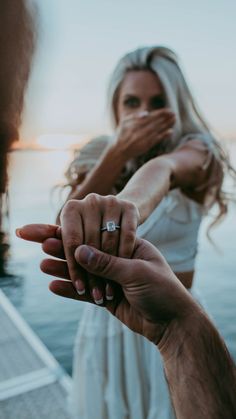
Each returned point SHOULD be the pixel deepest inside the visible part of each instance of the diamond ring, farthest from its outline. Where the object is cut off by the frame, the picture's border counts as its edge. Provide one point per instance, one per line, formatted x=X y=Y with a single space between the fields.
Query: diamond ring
x=110 y=226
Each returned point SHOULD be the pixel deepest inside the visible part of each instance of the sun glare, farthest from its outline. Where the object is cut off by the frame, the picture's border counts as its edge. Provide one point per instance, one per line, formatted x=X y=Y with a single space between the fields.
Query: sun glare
x=60 y=141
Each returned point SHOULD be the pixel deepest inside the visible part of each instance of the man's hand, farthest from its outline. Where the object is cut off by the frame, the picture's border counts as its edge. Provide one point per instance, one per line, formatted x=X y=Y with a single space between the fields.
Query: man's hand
x=151 y=301
x=149 y=297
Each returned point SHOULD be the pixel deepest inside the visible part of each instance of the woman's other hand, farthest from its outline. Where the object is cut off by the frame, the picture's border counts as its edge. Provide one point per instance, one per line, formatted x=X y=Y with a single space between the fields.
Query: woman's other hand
x=138 y=133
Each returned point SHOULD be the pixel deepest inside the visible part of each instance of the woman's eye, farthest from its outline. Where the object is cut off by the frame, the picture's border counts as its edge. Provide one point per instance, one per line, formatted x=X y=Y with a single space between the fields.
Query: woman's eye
x=157 y=102
x=131 y=102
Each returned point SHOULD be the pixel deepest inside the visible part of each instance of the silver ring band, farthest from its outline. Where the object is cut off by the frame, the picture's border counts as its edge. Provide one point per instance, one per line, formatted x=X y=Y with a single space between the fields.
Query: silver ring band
x=110 y=226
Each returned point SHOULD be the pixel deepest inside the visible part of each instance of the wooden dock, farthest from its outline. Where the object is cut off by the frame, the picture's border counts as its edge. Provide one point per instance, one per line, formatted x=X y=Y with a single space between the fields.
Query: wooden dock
x=32 y=383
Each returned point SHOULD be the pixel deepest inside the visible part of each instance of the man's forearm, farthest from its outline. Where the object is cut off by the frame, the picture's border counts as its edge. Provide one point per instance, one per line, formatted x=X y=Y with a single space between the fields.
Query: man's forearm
x=199 y=370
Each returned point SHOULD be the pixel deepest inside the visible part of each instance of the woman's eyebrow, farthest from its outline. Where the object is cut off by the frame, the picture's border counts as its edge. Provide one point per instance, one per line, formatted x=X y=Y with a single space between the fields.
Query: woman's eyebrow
x=158 y=96
x=130 y=95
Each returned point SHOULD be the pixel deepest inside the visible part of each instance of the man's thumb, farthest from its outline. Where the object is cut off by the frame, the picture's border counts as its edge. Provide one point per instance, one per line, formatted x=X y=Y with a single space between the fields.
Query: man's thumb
x=104 y=265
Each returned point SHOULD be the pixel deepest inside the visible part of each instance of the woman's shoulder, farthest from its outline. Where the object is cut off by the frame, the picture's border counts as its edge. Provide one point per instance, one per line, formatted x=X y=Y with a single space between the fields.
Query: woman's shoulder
x=93 y=148
x=197 y=138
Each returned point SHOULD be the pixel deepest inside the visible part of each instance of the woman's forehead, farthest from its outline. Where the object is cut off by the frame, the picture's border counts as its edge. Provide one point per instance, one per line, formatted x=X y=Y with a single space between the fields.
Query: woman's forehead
x=140 y=81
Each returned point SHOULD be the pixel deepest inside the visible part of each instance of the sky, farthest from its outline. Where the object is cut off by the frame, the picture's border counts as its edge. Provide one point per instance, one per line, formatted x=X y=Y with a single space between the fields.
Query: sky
x=80 y=42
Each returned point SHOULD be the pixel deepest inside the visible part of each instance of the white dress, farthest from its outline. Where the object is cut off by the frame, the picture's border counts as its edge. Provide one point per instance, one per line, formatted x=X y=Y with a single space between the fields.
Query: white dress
x=118 y=374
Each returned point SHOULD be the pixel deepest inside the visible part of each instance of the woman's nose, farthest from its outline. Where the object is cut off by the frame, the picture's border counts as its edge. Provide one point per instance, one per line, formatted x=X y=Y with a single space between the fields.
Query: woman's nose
x=145 y=107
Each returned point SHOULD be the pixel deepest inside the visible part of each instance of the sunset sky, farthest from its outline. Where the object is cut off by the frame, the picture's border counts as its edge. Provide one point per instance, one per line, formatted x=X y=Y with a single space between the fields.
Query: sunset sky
x=81 y=40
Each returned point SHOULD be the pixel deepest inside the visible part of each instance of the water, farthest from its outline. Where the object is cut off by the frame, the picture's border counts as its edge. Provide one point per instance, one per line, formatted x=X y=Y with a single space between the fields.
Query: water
x=32 y=177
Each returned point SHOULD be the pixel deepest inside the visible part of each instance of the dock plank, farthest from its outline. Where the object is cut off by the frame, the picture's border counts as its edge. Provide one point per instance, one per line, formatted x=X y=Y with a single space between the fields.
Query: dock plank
x=32 y=383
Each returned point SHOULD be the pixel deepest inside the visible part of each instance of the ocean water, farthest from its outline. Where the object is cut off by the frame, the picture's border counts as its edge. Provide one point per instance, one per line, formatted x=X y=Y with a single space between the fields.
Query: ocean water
x=33 y=174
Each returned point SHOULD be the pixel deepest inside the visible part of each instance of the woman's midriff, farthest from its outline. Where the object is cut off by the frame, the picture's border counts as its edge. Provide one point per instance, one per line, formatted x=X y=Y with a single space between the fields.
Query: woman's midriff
x=186 y=278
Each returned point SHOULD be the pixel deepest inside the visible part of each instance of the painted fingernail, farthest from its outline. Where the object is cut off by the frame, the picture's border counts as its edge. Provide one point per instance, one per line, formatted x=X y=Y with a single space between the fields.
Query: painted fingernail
x=109 y=292
x=79 y=285
x=97 y=296
x=143 y=114
x=18 y=233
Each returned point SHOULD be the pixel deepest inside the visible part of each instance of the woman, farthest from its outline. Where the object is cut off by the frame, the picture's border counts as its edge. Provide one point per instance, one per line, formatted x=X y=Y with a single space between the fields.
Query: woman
x=166 y=169
x=165 y=161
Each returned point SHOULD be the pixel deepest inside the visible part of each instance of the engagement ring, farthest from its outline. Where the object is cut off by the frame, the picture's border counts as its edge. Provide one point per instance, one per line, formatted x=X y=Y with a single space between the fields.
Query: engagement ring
x=110 y=226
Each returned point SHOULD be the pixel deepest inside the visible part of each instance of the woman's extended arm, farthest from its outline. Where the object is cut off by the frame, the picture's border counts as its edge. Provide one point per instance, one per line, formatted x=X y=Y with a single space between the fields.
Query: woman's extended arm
x=101 y=178
x=184 y=168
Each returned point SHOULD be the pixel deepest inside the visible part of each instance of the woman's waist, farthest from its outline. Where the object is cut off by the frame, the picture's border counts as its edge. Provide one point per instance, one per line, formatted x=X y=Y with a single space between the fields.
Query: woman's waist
x=179 y=254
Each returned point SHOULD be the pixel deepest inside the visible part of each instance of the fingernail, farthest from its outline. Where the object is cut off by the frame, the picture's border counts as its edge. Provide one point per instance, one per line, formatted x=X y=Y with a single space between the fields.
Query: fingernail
x=85 y=255
x=109 y=292
x=97 y=295
x=143 y=114
x=18 y=233
x=79 y=285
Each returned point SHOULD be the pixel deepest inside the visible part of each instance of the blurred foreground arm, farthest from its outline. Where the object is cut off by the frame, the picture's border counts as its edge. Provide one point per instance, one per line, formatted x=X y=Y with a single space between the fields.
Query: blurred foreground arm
x=200 y=373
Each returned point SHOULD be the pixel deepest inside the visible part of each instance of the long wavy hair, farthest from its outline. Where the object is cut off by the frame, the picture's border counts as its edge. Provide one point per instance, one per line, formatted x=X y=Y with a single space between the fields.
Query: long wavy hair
x=190 y=124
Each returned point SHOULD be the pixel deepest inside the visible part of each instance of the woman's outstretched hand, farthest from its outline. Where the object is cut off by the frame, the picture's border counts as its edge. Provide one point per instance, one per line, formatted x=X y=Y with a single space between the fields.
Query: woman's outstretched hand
x=88 y=221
